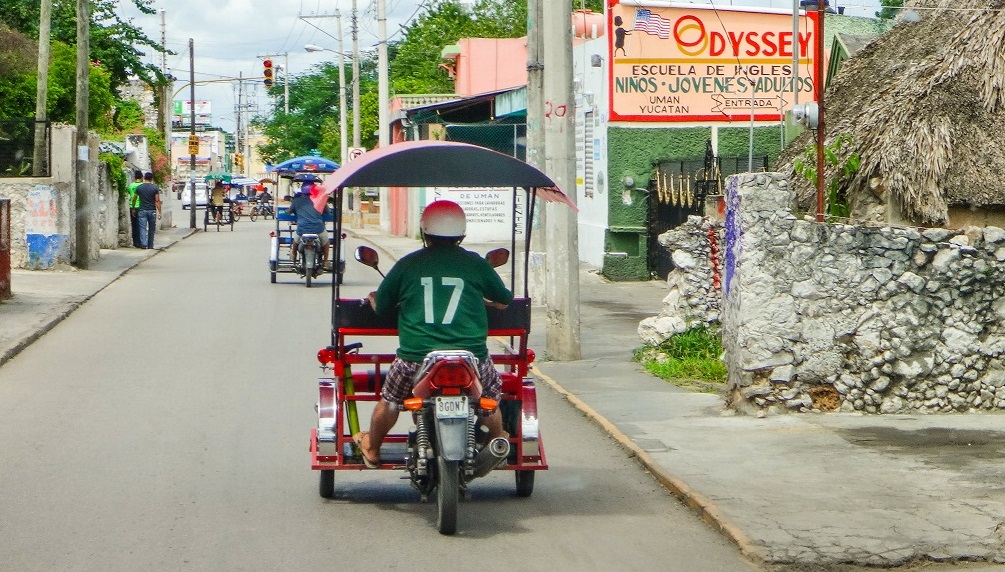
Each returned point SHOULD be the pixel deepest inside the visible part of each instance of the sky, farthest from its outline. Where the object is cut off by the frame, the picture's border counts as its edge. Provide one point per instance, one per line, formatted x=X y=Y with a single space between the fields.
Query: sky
x=231 y=37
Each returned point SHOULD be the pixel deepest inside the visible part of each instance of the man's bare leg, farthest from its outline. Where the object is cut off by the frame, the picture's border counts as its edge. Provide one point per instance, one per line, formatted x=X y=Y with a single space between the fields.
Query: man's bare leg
x=381 y=422
x=494 y=424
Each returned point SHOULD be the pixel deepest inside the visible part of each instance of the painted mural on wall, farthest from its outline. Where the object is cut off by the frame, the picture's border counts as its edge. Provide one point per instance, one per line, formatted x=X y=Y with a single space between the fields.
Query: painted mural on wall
x=46 y=245
x=696 y=63
x=733 y=232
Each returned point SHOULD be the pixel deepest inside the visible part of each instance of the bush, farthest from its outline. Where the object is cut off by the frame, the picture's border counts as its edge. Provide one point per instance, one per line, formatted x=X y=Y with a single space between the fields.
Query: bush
x=690 y=359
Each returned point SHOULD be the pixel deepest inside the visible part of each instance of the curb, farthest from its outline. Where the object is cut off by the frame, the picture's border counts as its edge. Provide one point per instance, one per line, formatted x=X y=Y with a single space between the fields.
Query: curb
x=706 y=509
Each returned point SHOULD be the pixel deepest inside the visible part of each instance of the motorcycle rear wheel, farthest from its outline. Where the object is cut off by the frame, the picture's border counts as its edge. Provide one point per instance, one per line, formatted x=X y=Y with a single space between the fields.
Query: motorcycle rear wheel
x=447 y=495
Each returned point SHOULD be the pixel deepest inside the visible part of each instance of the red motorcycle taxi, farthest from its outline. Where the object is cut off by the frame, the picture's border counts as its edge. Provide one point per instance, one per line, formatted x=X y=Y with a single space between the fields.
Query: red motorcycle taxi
x=442 y=452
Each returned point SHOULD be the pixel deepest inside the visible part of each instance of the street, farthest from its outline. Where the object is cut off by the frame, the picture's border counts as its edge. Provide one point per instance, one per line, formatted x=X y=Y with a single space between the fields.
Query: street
x=164 y=426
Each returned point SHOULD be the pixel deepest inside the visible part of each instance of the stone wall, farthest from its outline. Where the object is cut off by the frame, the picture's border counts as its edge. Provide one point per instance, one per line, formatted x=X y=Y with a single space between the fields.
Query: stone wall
x=819 y=317
x=694 y=297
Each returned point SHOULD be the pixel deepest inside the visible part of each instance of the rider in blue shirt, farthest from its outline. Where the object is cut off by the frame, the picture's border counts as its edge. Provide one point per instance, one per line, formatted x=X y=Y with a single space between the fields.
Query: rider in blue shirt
x=308 y=220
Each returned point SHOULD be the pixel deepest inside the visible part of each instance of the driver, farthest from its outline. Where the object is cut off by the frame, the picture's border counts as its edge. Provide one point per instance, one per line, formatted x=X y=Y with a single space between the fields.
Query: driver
x=308 y=221
x=440 y=292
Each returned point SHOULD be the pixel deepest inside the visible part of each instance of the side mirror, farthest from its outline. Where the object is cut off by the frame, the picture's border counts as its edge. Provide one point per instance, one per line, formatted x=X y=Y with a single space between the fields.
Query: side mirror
x=497 y=257
x=367 y=256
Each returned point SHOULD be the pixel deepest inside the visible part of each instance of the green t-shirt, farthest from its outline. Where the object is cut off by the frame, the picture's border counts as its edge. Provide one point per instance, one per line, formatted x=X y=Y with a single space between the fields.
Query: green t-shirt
x=134 y=201
x=439 y=293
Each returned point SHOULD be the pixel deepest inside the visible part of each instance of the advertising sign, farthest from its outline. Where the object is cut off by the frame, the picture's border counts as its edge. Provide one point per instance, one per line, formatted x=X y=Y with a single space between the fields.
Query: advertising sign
x=489 y=212
x=682 y=62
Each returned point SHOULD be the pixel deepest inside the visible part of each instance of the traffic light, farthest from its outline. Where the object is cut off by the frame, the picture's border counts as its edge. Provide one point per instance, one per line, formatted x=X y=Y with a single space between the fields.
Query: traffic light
x=267 y=72
x=239 y=160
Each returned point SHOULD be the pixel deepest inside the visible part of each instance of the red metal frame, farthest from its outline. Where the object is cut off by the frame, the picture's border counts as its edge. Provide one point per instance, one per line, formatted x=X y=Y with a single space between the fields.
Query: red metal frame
x=515 y=363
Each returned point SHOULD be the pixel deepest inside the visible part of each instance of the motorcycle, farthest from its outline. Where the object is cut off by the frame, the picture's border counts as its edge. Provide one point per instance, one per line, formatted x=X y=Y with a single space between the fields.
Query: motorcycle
x=444 y=451
x=309 y=250
x=262 y=209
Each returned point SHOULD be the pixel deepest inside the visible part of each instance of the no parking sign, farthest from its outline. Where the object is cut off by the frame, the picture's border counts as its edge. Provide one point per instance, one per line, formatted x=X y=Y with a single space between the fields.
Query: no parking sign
x=355 y=152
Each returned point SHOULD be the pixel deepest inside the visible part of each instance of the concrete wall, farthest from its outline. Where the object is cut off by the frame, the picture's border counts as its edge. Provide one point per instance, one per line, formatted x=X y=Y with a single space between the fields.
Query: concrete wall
x=44 y=210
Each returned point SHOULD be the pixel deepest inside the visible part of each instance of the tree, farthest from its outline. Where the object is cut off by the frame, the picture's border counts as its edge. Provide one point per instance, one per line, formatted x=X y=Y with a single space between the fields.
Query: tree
x=414 y=68
x=890 y=9
x=115 y=43
x=18 y=73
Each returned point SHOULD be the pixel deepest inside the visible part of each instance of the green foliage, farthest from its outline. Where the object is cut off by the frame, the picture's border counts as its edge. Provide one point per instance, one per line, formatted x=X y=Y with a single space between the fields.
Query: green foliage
x=836 y=189
x=689 y=359
x=116 y=172
x=890 y=9
x=161 y=165
x=128 y=117
x=414 y=62
x=115 y=43
x=62 y=102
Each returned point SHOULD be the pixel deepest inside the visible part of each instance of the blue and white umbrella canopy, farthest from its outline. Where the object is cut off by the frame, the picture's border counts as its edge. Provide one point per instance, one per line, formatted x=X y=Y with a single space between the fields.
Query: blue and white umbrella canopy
x=308 y=164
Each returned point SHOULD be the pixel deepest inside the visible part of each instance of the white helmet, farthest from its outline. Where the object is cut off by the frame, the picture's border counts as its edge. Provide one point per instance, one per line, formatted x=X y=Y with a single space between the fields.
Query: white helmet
x=443 y=218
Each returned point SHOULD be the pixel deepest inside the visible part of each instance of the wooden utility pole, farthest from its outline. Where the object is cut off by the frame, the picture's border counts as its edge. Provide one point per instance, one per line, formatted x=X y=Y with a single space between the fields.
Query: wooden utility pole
x=41 y=91
x=82 y=247
x=561 y=232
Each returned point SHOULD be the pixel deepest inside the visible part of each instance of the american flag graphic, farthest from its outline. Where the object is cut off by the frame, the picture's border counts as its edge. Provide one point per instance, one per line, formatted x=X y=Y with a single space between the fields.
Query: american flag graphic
x=650 y=23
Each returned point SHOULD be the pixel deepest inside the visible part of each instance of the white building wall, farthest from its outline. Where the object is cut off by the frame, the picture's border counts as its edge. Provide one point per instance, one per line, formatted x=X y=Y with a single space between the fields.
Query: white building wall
x=589 y=78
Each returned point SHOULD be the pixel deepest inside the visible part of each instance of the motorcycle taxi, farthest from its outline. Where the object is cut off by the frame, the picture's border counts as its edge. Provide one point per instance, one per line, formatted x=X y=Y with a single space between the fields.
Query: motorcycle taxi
x=308 y=264
x=441 y=453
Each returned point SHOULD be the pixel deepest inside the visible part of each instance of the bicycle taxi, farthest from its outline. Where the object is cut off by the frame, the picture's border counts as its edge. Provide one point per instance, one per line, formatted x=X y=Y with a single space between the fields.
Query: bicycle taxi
x=357 y=375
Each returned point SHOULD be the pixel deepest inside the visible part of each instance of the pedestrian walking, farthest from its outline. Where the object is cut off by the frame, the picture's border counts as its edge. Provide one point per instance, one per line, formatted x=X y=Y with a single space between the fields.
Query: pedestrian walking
x=149 y=209
x=134 y=222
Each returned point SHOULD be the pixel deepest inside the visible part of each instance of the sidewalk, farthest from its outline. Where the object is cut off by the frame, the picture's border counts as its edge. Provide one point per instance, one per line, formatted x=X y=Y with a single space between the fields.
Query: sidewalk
x=813 y=489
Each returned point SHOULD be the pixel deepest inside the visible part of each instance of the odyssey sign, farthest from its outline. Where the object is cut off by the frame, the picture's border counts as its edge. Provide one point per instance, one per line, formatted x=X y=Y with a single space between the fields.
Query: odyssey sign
x=699 y=64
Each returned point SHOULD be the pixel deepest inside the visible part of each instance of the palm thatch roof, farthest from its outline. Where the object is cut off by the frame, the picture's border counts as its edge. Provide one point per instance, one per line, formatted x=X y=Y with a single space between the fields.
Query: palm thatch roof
x=925 y=106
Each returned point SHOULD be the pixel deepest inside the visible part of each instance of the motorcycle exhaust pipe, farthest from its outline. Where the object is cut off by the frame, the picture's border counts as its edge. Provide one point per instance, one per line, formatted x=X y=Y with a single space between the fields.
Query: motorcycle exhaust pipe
x=489 y=457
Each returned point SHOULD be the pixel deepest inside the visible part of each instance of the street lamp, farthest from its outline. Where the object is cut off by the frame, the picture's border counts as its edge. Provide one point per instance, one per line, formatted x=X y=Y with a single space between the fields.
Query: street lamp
x=341 y=94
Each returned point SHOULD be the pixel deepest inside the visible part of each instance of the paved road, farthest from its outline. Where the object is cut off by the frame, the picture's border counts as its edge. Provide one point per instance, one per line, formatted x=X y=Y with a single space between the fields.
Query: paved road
x=164 y=426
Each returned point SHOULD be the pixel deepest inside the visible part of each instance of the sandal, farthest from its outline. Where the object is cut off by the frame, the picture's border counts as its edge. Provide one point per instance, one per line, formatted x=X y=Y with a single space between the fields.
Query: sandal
x=358 y=440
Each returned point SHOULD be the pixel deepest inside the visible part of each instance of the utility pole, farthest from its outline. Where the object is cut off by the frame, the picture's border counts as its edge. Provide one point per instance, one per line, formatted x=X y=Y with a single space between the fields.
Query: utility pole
x=286 y=82
x=819 y=67
x=241 y=134
x=191 y=127
x=83 y=227
x=356 y=215
x=561 y=232
x=343 y=132
x=535 y=141
x=167 y=220
x=41 y=91
x=382 y=98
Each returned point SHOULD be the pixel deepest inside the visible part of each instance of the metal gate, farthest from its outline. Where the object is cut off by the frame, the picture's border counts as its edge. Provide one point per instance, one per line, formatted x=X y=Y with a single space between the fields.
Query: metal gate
x=678 y=190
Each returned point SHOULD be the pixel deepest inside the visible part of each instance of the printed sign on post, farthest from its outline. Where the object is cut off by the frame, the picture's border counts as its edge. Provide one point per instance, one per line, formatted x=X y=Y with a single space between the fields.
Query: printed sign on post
x=489 y=212
x=698 y=64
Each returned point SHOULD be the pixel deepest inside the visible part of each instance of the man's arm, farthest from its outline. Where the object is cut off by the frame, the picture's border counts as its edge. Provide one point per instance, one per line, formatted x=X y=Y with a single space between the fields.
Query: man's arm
x=157 y=202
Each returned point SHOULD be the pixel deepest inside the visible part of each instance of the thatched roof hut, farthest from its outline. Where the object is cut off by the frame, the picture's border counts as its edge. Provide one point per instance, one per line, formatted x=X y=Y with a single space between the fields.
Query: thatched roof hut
x=925 y=106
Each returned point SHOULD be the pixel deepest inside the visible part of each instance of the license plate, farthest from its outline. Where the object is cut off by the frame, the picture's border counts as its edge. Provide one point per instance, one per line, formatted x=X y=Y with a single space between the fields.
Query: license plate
x=451 y=407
